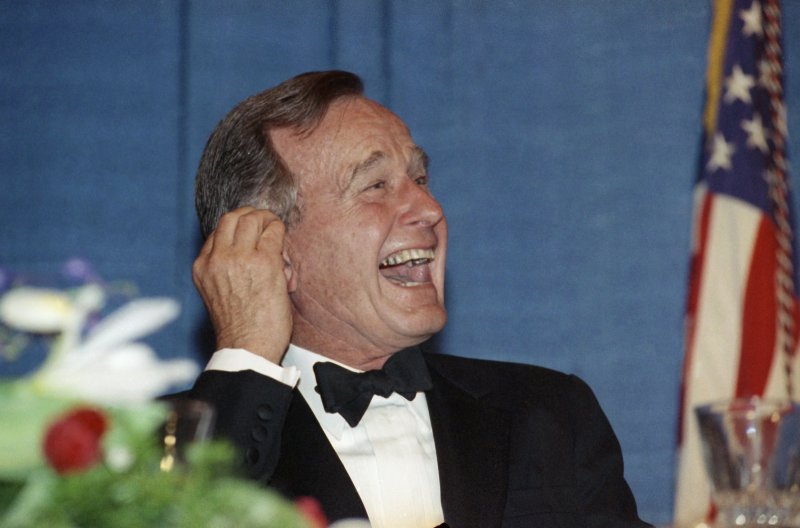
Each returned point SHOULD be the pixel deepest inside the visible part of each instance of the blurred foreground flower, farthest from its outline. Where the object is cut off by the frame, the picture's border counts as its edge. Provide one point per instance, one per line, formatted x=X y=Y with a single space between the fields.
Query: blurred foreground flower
x=79 y=444
x=106 y=365
x=73 y=442
x=90 y=358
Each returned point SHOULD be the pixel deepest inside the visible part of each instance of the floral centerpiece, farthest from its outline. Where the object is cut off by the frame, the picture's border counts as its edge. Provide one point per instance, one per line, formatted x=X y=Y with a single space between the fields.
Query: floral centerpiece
x=79 y=444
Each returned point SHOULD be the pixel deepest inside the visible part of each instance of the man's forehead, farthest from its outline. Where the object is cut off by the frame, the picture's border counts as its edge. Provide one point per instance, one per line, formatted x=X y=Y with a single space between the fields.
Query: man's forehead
x=351 y=125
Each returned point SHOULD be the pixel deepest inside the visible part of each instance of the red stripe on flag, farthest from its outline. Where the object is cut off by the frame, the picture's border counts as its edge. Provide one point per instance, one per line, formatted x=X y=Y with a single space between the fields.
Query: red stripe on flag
x=759 y=315
x=693 y=299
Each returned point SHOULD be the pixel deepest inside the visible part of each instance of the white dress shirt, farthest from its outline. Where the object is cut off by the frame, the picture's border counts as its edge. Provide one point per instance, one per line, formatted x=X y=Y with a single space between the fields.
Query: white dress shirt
x=390 y=455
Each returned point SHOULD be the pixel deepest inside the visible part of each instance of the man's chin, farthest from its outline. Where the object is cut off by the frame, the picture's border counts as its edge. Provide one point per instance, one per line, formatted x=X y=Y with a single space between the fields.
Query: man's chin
x=421 y=325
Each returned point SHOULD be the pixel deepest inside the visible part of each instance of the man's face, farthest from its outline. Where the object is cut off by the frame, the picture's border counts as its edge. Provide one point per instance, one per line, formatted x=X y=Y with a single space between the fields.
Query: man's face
x=368 y=252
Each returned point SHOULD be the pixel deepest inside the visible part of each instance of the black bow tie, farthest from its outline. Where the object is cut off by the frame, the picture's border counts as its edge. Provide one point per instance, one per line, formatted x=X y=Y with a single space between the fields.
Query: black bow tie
x=349 y=393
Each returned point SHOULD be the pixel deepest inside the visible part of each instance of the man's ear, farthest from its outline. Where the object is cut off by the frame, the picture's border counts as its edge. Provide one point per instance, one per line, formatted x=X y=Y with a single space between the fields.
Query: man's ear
x=289 y=271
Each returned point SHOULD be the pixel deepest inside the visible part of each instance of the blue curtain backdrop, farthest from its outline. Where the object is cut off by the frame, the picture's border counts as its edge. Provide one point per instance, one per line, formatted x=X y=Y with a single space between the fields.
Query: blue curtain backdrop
x=563 y=136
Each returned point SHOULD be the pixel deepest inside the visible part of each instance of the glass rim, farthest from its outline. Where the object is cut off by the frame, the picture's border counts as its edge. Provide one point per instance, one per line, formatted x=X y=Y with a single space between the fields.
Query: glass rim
x=747 y=405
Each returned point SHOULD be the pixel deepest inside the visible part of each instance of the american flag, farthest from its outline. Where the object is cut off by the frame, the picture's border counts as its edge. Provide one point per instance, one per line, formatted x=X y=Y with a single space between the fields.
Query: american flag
x=742 y=315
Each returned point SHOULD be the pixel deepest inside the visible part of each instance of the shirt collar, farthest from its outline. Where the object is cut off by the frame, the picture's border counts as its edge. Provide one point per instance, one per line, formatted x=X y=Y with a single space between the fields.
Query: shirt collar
x=333 y=423
x=304 y=361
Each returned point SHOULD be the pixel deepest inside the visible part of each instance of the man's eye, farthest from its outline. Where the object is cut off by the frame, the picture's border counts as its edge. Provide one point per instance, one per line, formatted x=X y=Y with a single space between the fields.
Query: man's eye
x=376 y=185
x=421 y=180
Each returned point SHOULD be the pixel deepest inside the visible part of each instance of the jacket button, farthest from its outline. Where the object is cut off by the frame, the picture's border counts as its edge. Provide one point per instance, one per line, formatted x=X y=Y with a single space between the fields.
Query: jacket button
x=264 y=412
x=259 y=433
x=251 y=456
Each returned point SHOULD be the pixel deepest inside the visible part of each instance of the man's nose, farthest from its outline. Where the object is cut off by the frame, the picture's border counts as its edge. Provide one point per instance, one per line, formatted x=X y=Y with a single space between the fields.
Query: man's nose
x=420 y=207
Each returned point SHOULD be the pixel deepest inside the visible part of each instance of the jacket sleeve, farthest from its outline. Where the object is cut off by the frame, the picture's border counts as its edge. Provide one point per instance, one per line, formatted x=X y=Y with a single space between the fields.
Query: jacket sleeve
x=606 y=497
x=250 y=411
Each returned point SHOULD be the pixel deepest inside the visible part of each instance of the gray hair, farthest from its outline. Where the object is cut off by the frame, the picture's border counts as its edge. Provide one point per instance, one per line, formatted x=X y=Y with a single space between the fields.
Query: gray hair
x=240 y=166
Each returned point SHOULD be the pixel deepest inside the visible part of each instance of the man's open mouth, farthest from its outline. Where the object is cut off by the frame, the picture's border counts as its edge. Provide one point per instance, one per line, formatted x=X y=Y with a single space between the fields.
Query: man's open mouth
x=408 y=267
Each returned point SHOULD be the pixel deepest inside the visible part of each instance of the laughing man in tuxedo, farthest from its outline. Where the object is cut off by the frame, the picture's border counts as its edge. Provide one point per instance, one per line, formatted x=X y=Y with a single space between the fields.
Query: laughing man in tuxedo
x=325 y=257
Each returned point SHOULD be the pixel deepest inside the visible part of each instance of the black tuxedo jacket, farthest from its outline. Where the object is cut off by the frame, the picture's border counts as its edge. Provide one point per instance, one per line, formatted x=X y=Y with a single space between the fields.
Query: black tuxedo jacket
x=517 y=445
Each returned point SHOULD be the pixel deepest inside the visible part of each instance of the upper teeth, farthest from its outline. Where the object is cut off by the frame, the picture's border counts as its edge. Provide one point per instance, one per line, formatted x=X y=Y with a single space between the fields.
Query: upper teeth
x=407 y=255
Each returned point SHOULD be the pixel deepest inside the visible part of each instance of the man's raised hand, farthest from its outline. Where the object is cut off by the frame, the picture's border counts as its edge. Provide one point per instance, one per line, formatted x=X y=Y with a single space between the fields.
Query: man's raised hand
x=242 y=277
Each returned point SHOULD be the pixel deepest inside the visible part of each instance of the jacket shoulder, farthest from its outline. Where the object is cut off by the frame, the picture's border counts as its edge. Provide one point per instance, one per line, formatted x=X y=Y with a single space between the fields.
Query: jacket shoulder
x=499 y=381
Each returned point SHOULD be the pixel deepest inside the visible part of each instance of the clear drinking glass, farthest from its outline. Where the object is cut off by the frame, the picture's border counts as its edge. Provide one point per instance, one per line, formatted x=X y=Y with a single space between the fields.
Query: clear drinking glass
x=752 y=456
x=187 y=421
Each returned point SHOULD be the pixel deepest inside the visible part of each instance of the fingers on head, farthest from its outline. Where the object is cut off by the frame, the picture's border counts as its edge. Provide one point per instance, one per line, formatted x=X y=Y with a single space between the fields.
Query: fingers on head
x=271 y=236
x=243 y=227
x=227 y=227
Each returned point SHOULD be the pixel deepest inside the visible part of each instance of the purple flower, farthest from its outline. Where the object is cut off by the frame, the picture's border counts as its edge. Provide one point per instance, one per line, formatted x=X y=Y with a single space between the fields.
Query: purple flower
x=80 y=270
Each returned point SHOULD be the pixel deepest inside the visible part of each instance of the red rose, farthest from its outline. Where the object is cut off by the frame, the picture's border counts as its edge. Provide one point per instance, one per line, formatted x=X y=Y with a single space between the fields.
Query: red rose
x=72 y=443
x=311 y=510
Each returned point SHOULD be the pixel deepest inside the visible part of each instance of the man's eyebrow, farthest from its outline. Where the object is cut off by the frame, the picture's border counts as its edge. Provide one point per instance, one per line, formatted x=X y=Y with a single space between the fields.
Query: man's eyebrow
x=419 y=160
x=373 y=159
x=363 y=166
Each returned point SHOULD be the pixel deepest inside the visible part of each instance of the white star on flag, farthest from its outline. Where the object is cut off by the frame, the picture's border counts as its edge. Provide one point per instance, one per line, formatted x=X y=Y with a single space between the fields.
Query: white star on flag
x=756 y=137
x=738 y=86
x=764 y=73
x=752 y=19
x=721 y=152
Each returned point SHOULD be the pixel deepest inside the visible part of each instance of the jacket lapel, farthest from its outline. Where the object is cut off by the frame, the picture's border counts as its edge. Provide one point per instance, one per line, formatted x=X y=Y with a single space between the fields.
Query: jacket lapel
x=472 y=452
x=308 y=465
x=471 y=449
